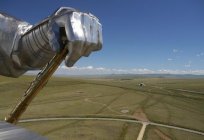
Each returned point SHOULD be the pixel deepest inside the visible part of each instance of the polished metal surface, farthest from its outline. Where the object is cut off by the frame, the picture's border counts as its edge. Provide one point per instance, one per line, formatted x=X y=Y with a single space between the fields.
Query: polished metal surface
x=11 y=30
x=12 y=132
x=25 y=47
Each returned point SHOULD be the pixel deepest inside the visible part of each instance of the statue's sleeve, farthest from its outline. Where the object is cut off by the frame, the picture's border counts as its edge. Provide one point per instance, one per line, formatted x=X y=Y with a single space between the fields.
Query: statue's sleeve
x=11 y=30
x=23 y=47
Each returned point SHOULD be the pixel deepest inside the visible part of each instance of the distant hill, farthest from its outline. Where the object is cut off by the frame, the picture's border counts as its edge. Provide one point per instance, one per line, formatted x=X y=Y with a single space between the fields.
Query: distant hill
x=127 y=76
x=133 y=76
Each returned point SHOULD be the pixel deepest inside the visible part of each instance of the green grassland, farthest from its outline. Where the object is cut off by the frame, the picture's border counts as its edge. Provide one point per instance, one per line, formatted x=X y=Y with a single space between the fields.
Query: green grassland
x=86 y=130
x=178 y=102
x=152 y=134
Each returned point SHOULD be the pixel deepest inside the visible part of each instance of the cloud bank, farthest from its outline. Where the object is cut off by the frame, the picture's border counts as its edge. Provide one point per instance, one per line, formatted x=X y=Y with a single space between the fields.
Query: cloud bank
x=90 y=70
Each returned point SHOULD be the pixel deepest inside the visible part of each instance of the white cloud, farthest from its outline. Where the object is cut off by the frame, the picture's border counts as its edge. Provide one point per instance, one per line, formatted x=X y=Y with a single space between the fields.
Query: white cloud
x=100 y=69
x=90 y=70
x=170 y=59
x=188 y=64
x=175 y=50
x=200 y=54
x=141 y=71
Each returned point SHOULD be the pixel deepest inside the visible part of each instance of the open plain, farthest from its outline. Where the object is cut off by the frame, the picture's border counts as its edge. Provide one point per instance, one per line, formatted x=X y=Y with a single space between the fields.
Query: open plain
x=111 y=108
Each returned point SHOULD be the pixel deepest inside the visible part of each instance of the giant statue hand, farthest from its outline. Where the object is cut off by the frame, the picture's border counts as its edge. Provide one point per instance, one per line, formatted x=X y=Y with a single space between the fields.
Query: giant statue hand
x=25 y=47
x=83 y=33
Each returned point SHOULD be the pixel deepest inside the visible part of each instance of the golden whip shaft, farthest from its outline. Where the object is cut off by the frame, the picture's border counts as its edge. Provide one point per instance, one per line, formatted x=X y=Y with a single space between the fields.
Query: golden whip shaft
x=36 y=85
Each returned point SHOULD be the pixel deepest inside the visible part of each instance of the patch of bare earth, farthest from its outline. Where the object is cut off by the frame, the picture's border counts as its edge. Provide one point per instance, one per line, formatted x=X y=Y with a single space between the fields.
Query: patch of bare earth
x=140 y=115
x=162 y=135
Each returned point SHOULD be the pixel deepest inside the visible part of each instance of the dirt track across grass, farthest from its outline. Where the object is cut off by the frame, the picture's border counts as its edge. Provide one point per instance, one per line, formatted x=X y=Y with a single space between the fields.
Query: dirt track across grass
x=112 y=119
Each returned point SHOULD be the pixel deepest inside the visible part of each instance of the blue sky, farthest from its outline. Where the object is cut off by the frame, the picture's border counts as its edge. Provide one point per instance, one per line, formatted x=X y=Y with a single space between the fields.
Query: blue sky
x=140 y=36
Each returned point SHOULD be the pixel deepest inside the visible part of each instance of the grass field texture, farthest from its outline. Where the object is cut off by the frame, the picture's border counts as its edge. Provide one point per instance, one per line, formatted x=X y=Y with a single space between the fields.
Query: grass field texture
x=171 y=101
